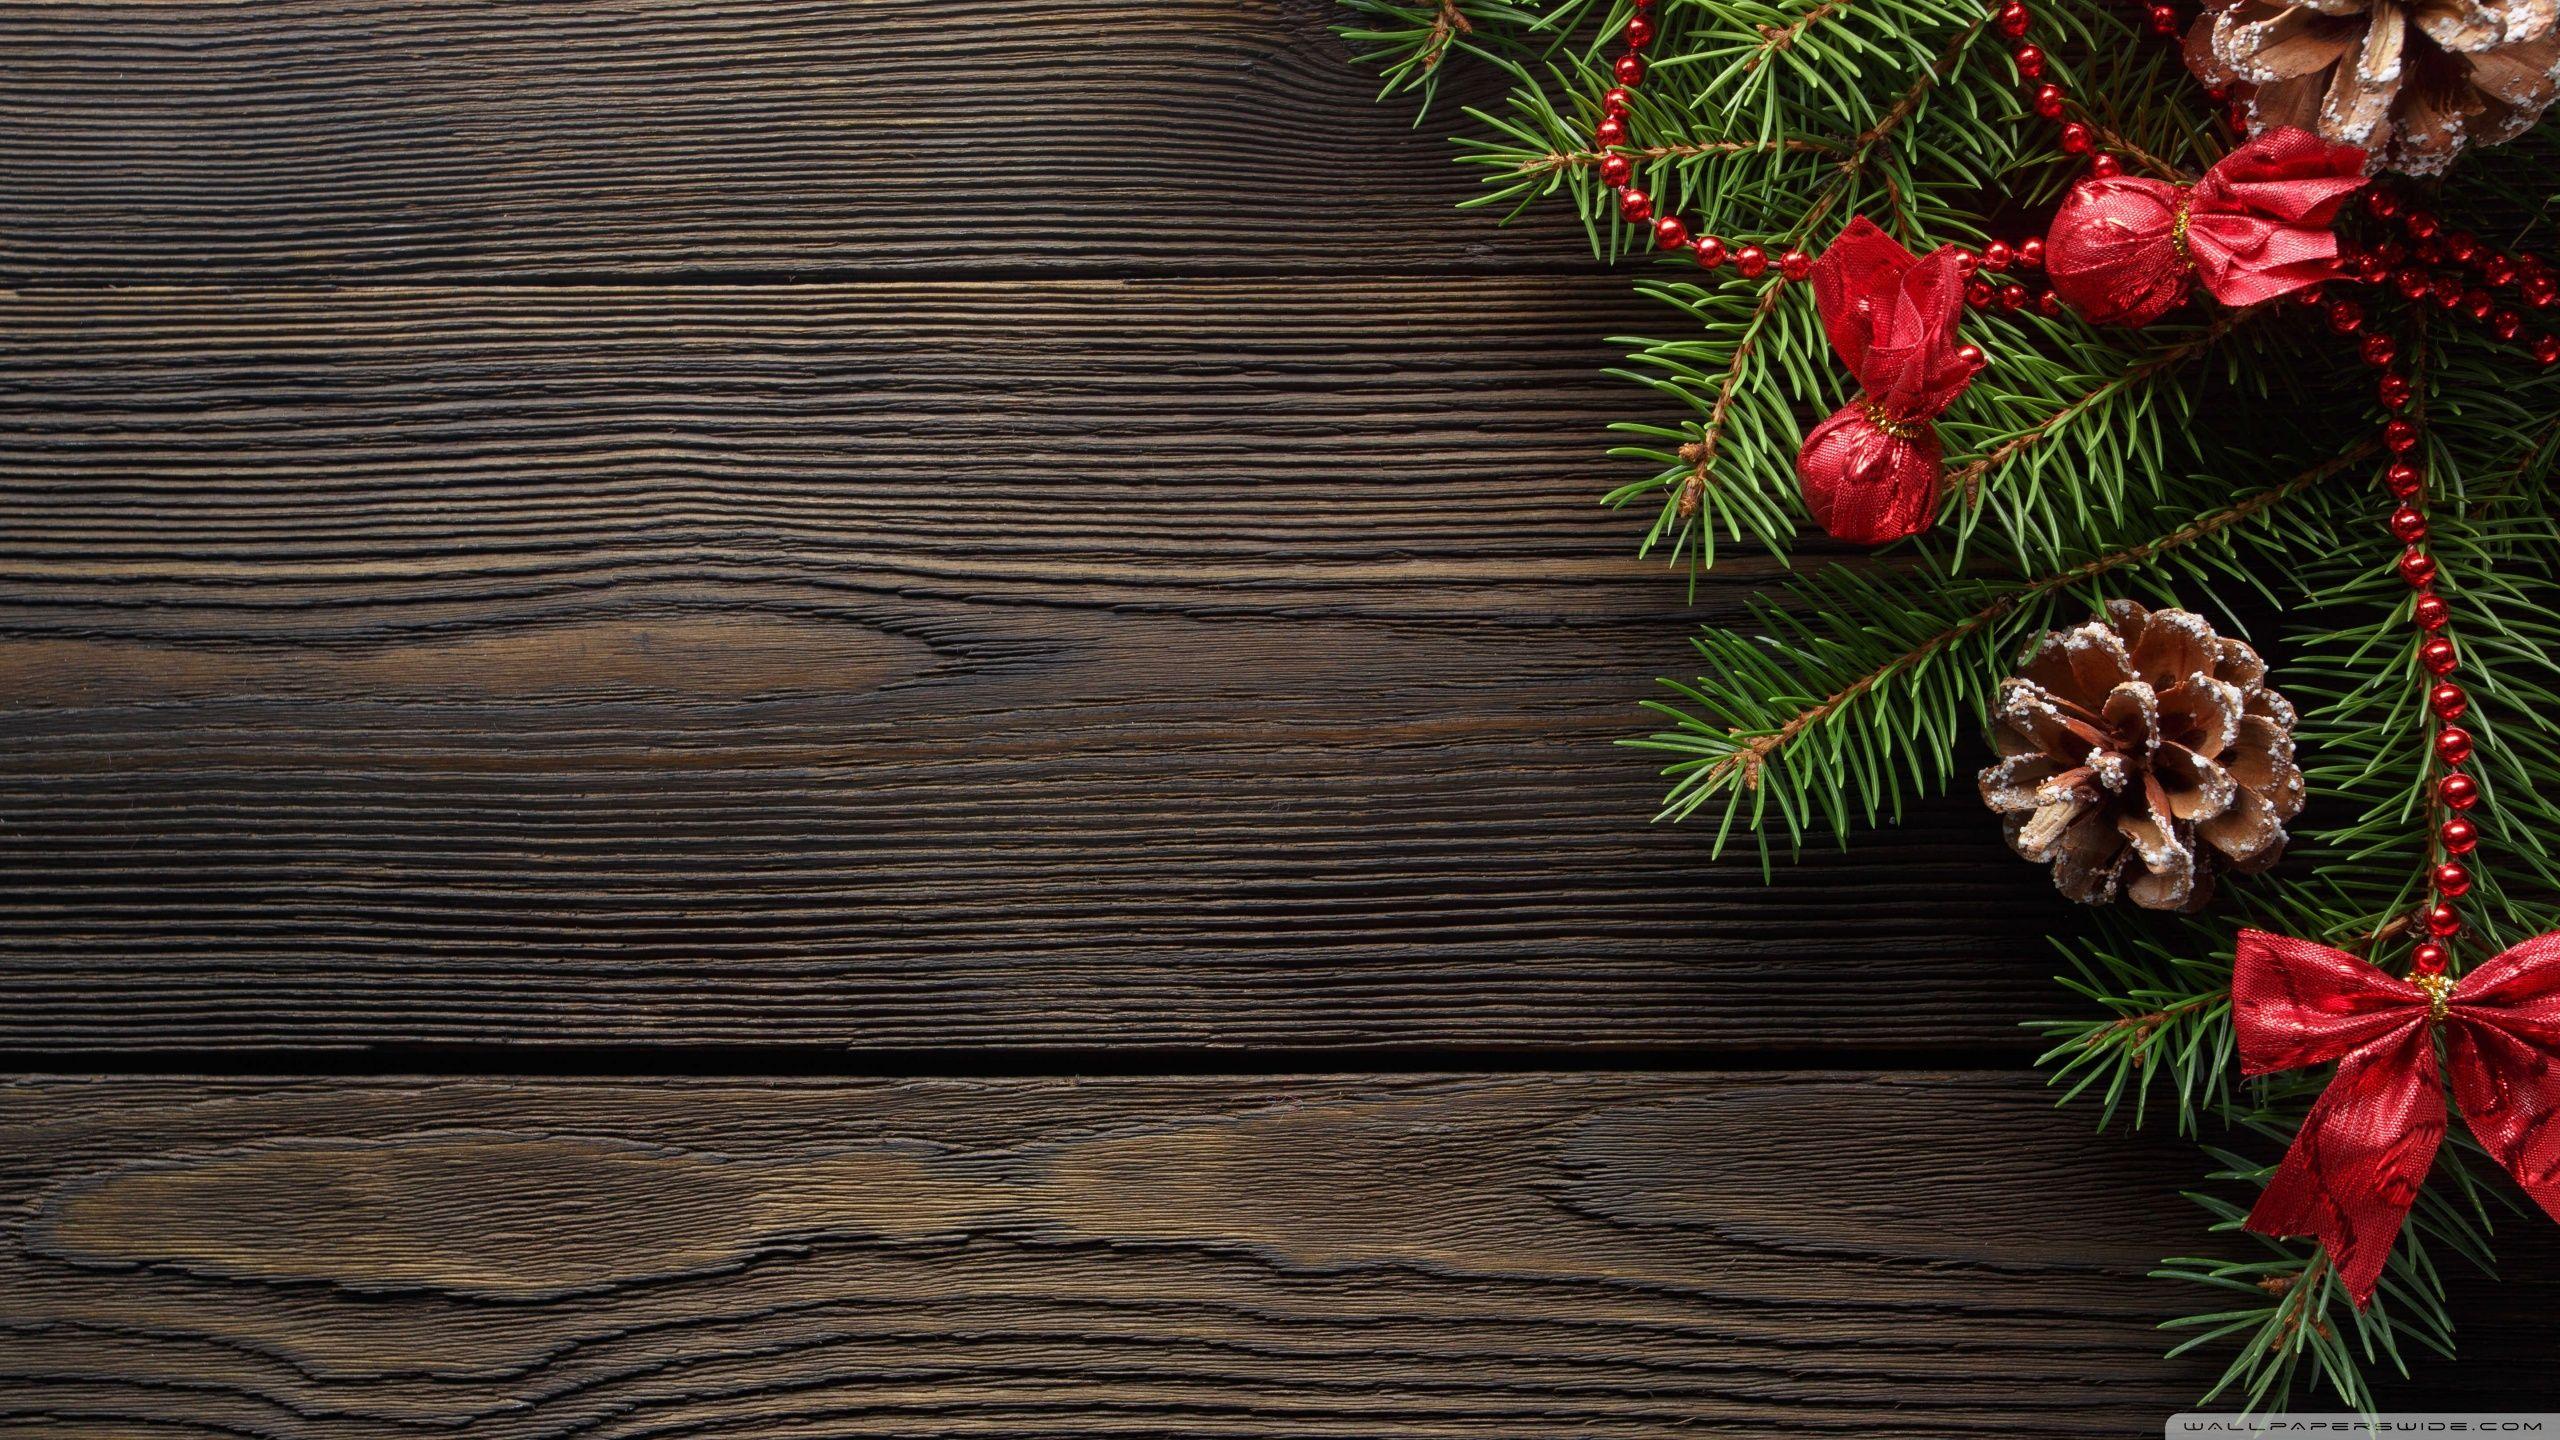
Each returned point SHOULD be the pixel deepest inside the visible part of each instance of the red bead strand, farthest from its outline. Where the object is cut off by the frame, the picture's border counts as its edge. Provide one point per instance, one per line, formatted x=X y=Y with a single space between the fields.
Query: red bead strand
x=2439 y=659
x=1670 y=232
x=2046 y=97
x=2005 y=276
x=2002 y=276
x=2458 y=273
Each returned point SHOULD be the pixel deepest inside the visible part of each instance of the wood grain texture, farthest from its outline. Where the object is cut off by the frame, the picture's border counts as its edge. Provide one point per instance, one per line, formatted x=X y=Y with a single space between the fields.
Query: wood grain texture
x=575 y=631
x=331 y=139
x=1077 y=664
x=1538 y=1255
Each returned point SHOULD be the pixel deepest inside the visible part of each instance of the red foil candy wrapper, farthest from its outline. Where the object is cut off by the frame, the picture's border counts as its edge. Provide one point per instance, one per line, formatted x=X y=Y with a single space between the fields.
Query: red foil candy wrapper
x=2125 y=249
x=1871 y=472
x=2364 y=1150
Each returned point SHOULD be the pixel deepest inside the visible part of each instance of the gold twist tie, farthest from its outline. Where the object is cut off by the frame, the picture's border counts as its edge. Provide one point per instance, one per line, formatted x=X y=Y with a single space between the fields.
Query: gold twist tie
x=2438 y=989
x=1893 y=429
x=2178 y=228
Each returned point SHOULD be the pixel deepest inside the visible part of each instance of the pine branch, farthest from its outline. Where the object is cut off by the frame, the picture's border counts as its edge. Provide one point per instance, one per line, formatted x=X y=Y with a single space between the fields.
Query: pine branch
x=1700 y=454
x=1588 y=159
x=1777 y=38
x=2166 y=1005
x=2297 y=1329
x=2090 y=461
x=2089 y=425
x=2077 y=430
x=1409 y=43
x=1448 y=22
x=1685 y=497
x=1966 y=479
x=1868 y=648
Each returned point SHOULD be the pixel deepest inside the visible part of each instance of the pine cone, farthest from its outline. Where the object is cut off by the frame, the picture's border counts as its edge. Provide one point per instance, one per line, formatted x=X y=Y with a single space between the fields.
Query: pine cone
x=2410 y=83
x=2143 y=746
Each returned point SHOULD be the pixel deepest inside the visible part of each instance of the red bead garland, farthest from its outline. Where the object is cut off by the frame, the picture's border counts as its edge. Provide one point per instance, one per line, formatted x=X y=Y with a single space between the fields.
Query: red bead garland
x=2047 y=98
x=1670 y=232
x=2439 y=658
x=2458 y=273
x=1998 y=258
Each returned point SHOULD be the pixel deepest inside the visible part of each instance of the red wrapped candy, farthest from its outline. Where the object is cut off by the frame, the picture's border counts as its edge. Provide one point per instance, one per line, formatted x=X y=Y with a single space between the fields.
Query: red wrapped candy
x=1871 y=471
x=2124 y=249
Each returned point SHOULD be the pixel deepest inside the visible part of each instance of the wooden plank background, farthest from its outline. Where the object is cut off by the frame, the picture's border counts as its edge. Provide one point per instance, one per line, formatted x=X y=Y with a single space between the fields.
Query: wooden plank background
x=910 y=554
x=1061 y=664
x=1535 y=1255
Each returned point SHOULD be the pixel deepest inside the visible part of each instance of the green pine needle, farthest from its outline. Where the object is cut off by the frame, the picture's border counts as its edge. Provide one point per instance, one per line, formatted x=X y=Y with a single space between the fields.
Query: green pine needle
x=2215 y=459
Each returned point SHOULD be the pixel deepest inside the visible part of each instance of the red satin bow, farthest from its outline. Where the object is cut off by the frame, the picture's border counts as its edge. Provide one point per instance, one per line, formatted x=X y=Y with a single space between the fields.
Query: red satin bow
x=2354 y=1171
x=2123 y=248
x=1871 y=471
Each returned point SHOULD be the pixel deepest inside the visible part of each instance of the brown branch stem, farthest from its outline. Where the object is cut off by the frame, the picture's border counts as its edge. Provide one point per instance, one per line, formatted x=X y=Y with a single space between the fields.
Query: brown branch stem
x=2146 y=1024
x=1909 y=104
x=1701 y=453
x=2111 y=140
x=1586 y=159
x=1447 y=25
x=1774 y=38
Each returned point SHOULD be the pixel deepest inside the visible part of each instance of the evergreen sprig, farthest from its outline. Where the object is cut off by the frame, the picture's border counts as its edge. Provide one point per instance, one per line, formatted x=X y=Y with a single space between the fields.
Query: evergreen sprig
x=1860 y=687
x=2215 y=459
x=1867 y=676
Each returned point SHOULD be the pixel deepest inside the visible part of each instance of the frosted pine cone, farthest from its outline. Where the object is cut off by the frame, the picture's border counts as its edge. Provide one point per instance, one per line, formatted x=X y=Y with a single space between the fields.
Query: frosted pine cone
x=2139 y=752
x=2412 y=83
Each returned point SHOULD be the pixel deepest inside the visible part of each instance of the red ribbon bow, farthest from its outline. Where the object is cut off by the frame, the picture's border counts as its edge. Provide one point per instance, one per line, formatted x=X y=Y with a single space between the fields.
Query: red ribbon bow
x=2354 y=1171
x=1871 y=471
x=2124 y=248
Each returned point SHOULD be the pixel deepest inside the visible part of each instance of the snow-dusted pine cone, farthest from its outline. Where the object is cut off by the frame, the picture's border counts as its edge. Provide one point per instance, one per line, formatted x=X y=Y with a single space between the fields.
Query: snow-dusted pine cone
x=2139 y=752
x=2413 y=83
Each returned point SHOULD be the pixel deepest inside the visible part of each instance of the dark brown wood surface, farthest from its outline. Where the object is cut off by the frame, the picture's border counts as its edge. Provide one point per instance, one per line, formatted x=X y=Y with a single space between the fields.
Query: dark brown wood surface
x=1534 y=1255
x=665 y=542
x=1000 y=663
x=336 y=139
